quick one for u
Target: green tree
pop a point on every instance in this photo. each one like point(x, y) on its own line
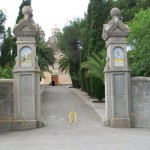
point(144, 4)
point(45, 56)
point(2, 28)
point(140, 41)
point(97, 14)
point(129, 8)
point(95, 65)
point(64, 64)
point(20, 15)
point(7, 49)
point(70, 44)
point(95, 19)
point(84, 52)
point(2, 22)
point(6, 72)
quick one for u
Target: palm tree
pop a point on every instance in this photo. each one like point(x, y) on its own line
point(45, 55)
point(95, 65)
point(64, 64)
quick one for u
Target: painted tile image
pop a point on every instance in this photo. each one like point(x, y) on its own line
point(26, 57)
point(118, 56)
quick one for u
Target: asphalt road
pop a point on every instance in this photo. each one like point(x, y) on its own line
point(88, 134)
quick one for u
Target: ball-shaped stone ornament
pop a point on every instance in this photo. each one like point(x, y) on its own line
point(115, 12)
point(27, 10)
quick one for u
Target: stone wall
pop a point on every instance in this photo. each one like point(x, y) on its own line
point(6, 104)
point(140, 103)
point(7, 121)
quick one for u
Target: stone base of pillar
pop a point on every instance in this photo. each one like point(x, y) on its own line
point(6, 125)
point(107, 123)
point(20, 125)
point(121, 123)
point(40, 124)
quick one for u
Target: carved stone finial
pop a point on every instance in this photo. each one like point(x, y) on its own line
point(115, 12)
point(27, 11)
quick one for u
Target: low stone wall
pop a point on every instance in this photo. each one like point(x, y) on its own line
point(140, 102)
point(6, 104)
point(7, 122)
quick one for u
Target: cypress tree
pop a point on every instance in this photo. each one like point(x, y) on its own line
point(2, 22)
point(96, 15)
point(84, 51)
point(7, 48)
point(2, 29)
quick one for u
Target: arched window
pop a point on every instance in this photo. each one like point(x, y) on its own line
point(26, 57)
point(118, 57)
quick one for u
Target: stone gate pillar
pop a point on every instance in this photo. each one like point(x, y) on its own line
point(27, 111)
point(117, 73)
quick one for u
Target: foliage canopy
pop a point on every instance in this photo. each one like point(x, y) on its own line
point(139, 39)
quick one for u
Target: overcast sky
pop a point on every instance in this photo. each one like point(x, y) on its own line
point(47, 13)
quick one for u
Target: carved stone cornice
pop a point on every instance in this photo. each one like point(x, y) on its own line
point(25, 28)
point(27, 33)
point(115, 29)
point(114, 34)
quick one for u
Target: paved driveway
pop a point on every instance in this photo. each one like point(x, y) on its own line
point(87, 134)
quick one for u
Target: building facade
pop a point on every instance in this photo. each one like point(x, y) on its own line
point(56, 77)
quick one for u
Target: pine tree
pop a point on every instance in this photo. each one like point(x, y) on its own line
point(20, 15)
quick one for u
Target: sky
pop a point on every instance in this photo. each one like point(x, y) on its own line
point(47, 13)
